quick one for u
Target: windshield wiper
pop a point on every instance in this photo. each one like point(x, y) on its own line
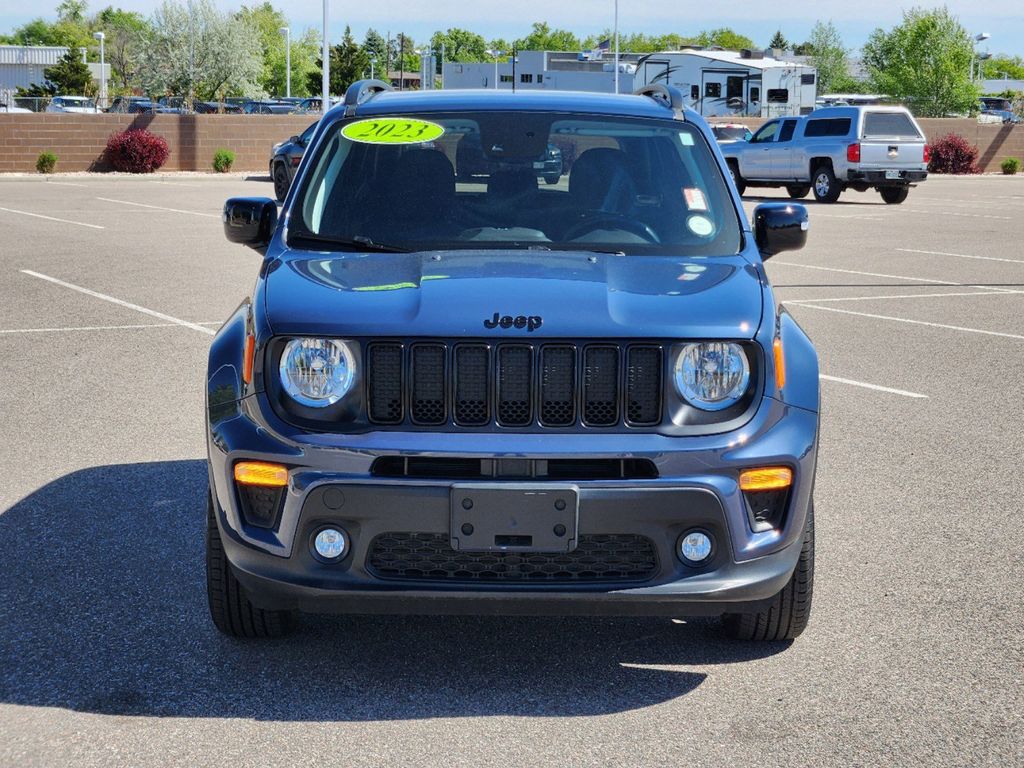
point(357, 243)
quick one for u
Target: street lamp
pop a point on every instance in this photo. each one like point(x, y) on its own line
point(287, 32)
point(616, 46)
point(496, 54)
point(977, 39)
point(326, 54)
point(373, 62)
point(103, 70)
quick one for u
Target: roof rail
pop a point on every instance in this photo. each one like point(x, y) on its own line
point(666, 94)
point(361, 91)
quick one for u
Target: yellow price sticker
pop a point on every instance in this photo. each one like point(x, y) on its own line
point(392, 130)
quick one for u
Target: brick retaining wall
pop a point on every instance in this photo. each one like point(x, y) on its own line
point(79, 140)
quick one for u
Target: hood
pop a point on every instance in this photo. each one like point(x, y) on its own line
point(503, 293)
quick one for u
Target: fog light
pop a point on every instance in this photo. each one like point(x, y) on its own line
point(695, 547)
point(331, 544)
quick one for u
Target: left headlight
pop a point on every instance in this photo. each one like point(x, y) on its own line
point(317, 372)
point(712, 375)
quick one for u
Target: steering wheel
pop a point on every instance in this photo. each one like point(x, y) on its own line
point(610, 220)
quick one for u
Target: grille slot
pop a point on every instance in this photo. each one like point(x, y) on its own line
point(558, 386)
point(427, 403)
point(472, 385)
point(385, 383)
point(429, 557)
point(601, 386)
point(643, 385)
point(515, 374)
point(465, 468)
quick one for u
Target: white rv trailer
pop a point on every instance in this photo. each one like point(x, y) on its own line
point(733, 83)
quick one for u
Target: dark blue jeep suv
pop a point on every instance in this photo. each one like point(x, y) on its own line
point(462, 395)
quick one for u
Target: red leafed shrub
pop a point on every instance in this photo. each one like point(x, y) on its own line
point(953, 154)
point(137, 151)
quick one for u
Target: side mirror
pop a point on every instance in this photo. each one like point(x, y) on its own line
point(780, 227)
point(294, 140)
point(250, 221)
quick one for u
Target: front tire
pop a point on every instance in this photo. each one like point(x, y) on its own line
point(230, 608)
point(825, 185)
point(787, 614)
point(894, 195)
point(281, 182)
point(552, 179)
point(798, 192)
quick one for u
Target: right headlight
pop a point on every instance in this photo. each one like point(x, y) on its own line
point(317, 372)
point(711, 375)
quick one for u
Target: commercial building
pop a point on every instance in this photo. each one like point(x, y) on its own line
point(22, 66)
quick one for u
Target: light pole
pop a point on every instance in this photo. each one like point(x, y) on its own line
point(373, 61)
point(496, 54)
point(326, 54)
point(977, 39)
point(103, 70)
point(616, 46)
point(287, 32)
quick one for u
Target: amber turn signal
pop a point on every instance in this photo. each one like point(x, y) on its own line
point(250, 348)
point(780, 363)
point(766, 479)
point(261, 473)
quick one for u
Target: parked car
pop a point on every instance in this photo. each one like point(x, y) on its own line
point(584, 400)
point(121, 104)
point(9, 108)
point(473, 164)
point(214, 107)
point(285, 158)
point(1004, 115)
point(268, 108)
point(311, 104)
point(730, 132)
point(833, 149)
point(73, 104)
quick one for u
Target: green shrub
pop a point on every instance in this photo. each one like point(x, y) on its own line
point(46, 162)
point(1010, 165)
point(223, 159)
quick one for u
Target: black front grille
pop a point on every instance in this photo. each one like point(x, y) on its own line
point(467, 468)
point(516, 385)
point(429, 557)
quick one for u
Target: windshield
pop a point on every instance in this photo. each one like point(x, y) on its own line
point(516, 180)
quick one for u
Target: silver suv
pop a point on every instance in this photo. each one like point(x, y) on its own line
point(834, 149)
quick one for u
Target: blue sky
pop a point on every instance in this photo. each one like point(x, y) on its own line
point(1004, 19)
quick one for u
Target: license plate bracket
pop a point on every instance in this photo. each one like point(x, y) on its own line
point(514, 517)
point(896, 175)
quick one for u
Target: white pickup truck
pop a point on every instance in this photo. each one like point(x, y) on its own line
point(833, 149)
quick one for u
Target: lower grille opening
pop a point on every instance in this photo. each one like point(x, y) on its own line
point(260, 505)
point(429, 557)
point(767, 509)
point(514, 469)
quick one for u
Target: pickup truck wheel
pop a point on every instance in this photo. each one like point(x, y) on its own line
point(281, 182)
point(894, 195)
point(741, 186)
point(786, 616)
point(230, 609)
point(797, 192)
point(826, 187)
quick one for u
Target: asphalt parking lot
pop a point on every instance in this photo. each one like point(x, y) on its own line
point(110, 289)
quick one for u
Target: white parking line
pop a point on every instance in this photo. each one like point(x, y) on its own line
point(53, 218)
point(959, 213)
point(960, 255)
point(916, 322)
point(891, 277)
point(882, 297)
point(120, 302)
point(876, 387)
point(66, 184)
point(90, 328)
point(159, 207)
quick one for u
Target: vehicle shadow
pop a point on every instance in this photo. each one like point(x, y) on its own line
point(810, 201)
point(103, 610)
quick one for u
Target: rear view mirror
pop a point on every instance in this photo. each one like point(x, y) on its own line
point(780, 227)
point(250, 221)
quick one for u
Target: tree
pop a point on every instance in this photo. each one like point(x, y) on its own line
point(376, 47)
point(72, 11)
point(779, 41)
point(803, 49)
point(349, 62)
point(69, 75)
point(924, 61)
point(829, 57)
point(724, 38)
point(268, 21)
point(126, 33)
point(1002, 66)
point(460, 45)
point(543, 38)
point(206, 53)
